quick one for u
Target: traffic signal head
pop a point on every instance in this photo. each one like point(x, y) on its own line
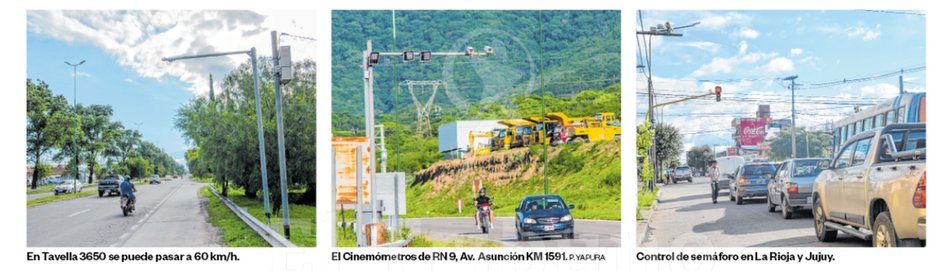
point(408, 56)
point(718, 93)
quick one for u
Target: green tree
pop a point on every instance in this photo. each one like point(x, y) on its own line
point(669, 143)
point(644, 142)
point(47, 117)
point(698, 157)
point(814, 143)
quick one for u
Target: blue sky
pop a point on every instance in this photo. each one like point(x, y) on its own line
point(746, 51)
point(123, 51)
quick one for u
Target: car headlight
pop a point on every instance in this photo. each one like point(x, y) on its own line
point(530, 221)
point(566, 218)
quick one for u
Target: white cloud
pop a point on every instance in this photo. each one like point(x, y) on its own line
point(711, 47)
point(746, 33)
point(139, 39)
point(743, 46)
point(129, 80)
point(796, 51)
point(863, 32)
point(881, 90)
point(852, 32)
point(721, 21)
point(720, 65)
point(779, 65)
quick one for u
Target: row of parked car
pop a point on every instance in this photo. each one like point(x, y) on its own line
point(874, 187)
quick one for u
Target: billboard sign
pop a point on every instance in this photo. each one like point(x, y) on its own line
point(751, 131)
point(345, 166)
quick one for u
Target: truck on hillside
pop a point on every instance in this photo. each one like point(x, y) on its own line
point(600, 127)
point(875, 188)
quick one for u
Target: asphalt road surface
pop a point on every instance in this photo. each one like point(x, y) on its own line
point(587, 233)
point(686, 217)
point(167, 214)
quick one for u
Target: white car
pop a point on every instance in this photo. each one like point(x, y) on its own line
point(68, 186)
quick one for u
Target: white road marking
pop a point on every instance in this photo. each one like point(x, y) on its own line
point(80, 212)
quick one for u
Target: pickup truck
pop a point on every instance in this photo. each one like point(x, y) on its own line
point(875, 188)
point(109, 185)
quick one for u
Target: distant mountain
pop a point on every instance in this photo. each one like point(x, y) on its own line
point(581, 51)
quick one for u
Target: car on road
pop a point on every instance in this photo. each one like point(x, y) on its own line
point(682, 173)
point(154, 180)
point(876, 188)
point(790, 189)
point(56, 179)
point(728, 168)
point(68, 186)
point(109, 185)
point(544, 215)
point(752, 180)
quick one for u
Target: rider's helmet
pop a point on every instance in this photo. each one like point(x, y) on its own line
point(482, 191)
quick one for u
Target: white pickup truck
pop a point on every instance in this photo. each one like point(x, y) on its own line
point(875, 188)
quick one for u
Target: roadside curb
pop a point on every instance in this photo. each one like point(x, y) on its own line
point(270, 235)
point(644, 224)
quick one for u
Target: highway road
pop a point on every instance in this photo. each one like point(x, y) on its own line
point(170, 214)
point(686, 217)
point(587, 233)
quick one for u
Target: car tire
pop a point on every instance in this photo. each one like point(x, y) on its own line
point(100, 194)
point(520, 237)
point(570, 236)
point(738, 200)
point(690, 180)
point(823, 234)
point(731, 197)
point(768, 202)
point(884, 234)
point(786, 212)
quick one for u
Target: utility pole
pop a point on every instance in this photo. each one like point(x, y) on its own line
point(901, 79)
point(281, 62)
point(792, 78)
point(252, 53)
point(370, 59)
point(75, 145)
point(659, 30)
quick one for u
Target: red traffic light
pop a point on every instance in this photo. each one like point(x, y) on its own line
point(718, 89)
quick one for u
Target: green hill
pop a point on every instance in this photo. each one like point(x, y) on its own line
point(581, 50)
point(586, 175)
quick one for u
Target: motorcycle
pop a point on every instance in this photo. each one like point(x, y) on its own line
point(484, 218)
point(126, 205)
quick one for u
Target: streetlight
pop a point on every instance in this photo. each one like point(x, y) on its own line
point(252, 53)
point(75, 146)
point(370, 59)
point(792, 78)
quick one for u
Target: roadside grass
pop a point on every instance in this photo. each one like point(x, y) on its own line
point(423, 240)
point(588, 178)
point(645, 199)
point(233, 232)
point(60, 197)
point(303, 218)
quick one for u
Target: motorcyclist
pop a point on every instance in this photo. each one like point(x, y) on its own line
point(484, 199)
point(714, 180)
point(127, 188)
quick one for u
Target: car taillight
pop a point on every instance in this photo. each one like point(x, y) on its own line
point(742, 181)
point(920, 195)
point(792, 187)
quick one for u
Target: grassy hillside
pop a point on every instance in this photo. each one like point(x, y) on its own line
point(586, 175)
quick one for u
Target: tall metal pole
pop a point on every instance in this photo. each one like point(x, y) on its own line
point(260, 125)
point(280, 135)
point(794, 149)
point(260, 133)
point(370, 120)
point(76, 122)
point(544, 173)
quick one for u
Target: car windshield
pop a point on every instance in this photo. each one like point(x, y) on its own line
point(682, 169)
point(758, 170)
point(806, 168)
point(109, 180)
point(543, 203)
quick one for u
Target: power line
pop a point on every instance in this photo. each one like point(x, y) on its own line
point(901, 12)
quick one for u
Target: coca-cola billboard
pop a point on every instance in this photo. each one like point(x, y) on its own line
point(751, 131)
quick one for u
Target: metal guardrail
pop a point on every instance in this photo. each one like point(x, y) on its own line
point(270, 235)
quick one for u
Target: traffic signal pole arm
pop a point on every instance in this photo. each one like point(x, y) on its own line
point(679, 101)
